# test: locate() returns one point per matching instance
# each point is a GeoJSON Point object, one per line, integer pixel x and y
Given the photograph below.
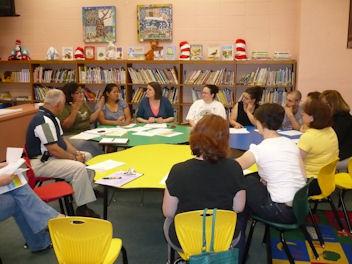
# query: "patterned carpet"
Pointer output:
{"type": "Point", "coordinates": [338, 245]}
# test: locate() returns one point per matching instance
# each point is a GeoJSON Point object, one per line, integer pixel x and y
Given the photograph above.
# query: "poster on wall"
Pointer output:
{"type": "Point", "coordinates": [154, 22]}
{"type": "Point", "coordinates": [99, 24]}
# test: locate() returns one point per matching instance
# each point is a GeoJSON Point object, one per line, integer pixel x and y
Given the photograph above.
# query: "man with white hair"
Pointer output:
{"type": "Point", "coordinates": [293, 111]}
{"type": "Point", "coordinates": [55, 157]}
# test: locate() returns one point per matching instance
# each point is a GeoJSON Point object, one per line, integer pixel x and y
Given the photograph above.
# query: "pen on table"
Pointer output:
{"type": "Point", "coordinates": [111, 178]}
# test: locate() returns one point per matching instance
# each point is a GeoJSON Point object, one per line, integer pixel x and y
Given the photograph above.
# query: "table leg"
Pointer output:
{"type": "Point", "coordinates": [105, 204]}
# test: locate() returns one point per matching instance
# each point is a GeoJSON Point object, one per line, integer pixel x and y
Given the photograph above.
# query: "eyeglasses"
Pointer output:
{"type": "Point", "coordinates": [78, 91]}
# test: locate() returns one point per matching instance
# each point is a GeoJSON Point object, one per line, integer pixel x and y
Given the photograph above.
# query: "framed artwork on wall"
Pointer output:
{"type": "Point", "coordinates": [99, 24]}
{"type": "Point", "coordinates": [154, 22]}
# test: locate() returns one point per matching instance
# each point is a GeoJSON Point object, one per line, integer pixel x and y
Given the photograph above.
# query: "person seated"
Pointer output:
{"type": "Point", "coordinates": [280, 175]}
{"type": "Point", "coordinates": [115, 111]}
{"type": "Point", "coordinates": [293, 111]}
{"type": "Point", "coordinates": [207, 105]}
{"type": "Point", "coordinates": [209, 180]}
{"type": "Point", "coordinates": [53, 156]}
{"type": "Point", "coordinates": [77, 117]}
{"type": "Point", "coordinates": [318, 144]}
{"type": "Point", "coordinates": [313, 95]}
{"type": "Point", "coordinates": [31, 214]}
{"type": "Point", "coordinates": [342, 125]}
{"type": "Point", "coordinates": [155, 108]}
{"type": "Point", "coordinates": [242, 112]}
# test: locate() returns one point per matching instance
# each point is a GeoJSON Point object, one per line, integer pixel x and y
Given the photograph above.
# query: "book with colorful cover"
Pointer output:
{"type": "Point", "coordinates": [18, 181]}
{"type": "Point", "coordinates": [135, 53]}
{"type": "Point", "coordinates": [170, 52]}
{"type": "Point", "coordinates": [196, 51]}
{"type": "Point", "coordinates": [214, 52]}
{"type": "Point", "coordinates": [227, 52]}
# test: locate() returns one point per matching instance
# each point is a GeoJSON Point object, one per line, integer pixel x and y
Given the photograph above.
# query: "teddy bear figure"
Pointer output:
{"type": "Point", "coordinates": [52, 54]}
{"type": "Point", "coordinates": [16, 53]}
{"type": "Point", "coordinates": [154, 49]}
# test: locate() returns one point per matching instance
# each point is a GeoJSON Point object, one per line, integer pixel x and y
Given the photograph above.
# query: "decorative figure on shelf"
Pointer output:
{"type": "Point", "coordinates": [79, 53]}
{"type": "Point", "coordinates": [111, 51]}
{"type": "Point", "coordinates": [52, 54]}
{"type": "Point", "coordinates": [154, 49]}
{"type": "Point", "coordinates": [240, 49]}
{"type": "Point", "coordinates": [185, 50]}
{"type": "Point", "coordinates": [17, 52]}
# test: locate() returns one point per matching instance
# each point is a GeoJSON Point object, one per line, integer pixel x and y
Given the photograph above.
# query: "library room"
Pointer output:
{"type": "Point", "coordinates": [153, 132]}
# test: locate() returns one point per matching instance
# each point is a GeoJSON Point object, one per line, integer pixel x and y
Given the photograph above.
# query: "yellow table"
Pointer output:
{"type": "Point", "coordinates": [154, 161]}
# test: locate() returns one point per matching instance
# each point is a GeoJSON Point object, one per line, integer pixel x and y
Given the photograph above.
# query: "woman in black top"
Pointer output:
{"type": "Point", "coordinates": [342, 124]}
{"type": "Point", "coordinates": [210, 179]}
{"type": "Point", "coordinates": [242, 112]}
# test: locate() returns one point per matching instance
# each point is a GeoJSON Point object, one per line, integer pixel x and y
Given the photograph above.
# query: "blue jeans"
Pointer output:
{"type": "Point", "coordinates": [31, 215]}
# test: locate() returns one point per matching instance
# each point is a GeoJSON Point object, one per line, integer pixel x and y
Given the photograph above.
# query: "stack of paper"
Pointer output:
{"type": "Point", "coordinates": [238, 130]}
{"type": "Point", "coordinates": [105, 165]}
{"type": "Point", "coordinates": [119, 178]}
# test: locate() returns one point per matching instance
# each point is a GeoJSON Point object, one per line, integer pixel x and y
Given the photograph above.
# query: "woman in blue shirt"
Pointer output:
{"type": "Point", "coordinates": [115, 111]}
{"type": "Point", "coordinates": [155, 108]}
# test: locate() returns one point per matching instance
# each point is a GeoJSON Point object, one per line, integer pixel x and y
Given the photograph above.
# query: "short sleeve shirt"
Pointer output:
{"type": "Point", "coordinates": [82, 121]}
{"type": "Point", "coordinates": [110, 115]}
{"type": "Point", "coordinates": [286, 124]}
{"type": "Point", "coordinates": [200, 184]}
{"type": "Point", "coordinates": [200, 108]}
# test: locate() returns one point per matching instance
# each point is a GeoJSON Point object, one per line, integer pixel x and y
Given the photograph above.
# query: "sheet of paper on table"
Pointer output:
{"type": "Point", "coordinates": [143, 133]}
{"type": "Point", "coordinates": [130, 125]}
{"type": "Point", "coordinates": [113, 140]}
{"type": "Point", "coordinates": [105, 165]}
{"type": "Point", "coordinates": [156, 125]}
{"type": "Point", "coordinates": [119, 178]}
{"type": "Point", "coordinates": [138, 129]}
{"type": "Point", "coordinates": [84, 136]}
{"type": "Point", "coordinates": [290, 133]}
{"type": "Point", "coordinates": [238, 130]}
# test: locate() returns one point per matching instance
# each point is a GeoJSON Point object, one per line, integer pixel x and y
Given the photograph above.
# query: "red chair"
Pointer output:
{"type": "Point", "coordinates": [51, 191]}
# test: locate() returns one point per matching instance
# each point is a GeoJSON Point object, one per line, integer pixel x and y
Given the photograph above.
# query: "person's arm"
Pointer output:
{"type": "Point", "coordinates": [190, 118]}
{"type": "Point", "coordinates": [169, 204]}
{"type": "Point", "coordinates": [291, 117]}
{"type": "Point", "coordinates": [56, 151]}
{"type": "Point", "coordinates": [246, 160]}
{"type": "Point", "coordinates": [70, 119]}
{"type": "Point", "coordinates": [303, 154]}
{"type": "Point", "coordinates": [249, 110]}
{"type": "Point", "coordinates": [233, 117]}
{"type": "Point", "coordinates": [128, 116]}
{"type": "Point", "coordinates": [165, 120]}
{"type": "Point", "coordinates": [6, 179]}
{"type": "Point", "coordinates": [94, 116]}
{"type": "Point", "coordinates": [239, 201]}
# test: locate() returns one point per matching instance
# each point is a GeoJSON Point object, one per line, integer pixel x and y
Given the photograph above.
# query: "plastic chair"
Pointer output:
{"type": "Point", "coordinates": [343, 182]}
{"type": "Point", "coordinates": [326, 181]}
{"type": "Point", "coordinates": [84, 240]}
{"type": "Point", "coordinates": [301, 209]}
{"type": "Point", "coordinates": [188, 227]}
{"type": "Point", "coordinates": [51, 191]}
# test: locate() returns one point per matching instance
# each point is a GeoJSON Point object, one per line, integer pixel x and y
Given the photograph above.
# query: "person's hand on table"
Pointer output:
{"type": "Point", "coordinates": [151, 120]}
{"type": "Point", "coordinates": [80, 157]}
{"type": "Point", "coordinates": [237, 125]}
{"type": "Point", "coordinates": [160, 120]}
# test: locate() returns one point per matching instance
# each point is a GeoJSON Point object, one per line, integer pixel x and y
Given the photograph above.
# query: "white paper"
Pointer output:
{"type": "Point", "coordinates": [245, 172]}
{"type": "Point", "coordinates": [160, 131]}
{"type": "Point", "coordinates": [105, 165]}
{"type": "Point", "coordinates": [9, 111]}
{"type": "Point", "coordinates": [239, 130]}
{"type": "Point", "coordinates": [116, 133]}
{"type": "Point", "coordinates": [295, 140]}
{"type": "Point", "coordinates": [155, 125]}
{"type": "Point", "coordinates": [290, 133]}
{"type": "Point", "coordinates": [172, 134]}
{"type": "Point", "coordinates": [143, 133]}
{"type": "Point", "coordinates": [97, 131]}
{"type": "Point", "coordinates": [84, 136]}
{"type": "Point", "coordinates": [13, 154]}
{"type": "Point", "coordinates": [16, 183]}
{"type": "Point", "coordinates": [130, 125]}
{"type": "Point", "coordinates": [119, 178]}
{"type": "Point", "coordinates": [11, 167]}
{"type": "Point", "coordinates": [138, 129]}
{"type": "Point", "coordinates": [113, 140]}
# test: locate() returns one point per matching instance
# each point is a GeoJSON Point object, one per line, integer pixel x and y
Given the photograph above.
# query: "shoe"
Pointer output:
{"type": "Point", "coordinates": [43, 249]}
{"type": "Point", "coordinates": [86, 211]}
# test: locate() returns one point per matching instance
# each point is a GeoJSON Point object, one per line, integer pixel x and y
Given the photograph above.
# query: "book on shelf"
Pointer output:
{"type": "Point", "coordinates": [281, 55]}
{"type": "Point", "coordinates": [101, 75]}
{"type": "Point", "coordinates": [213, 52]}
{"type": "Point", "coordinates": [227, 52]}
{"type": "Point", "coordinates": [170, 52]}
{"type": "Point", "coordinates": [171, 93]}
{"type": "Point", "coordinates": [159, 54]}
{"type": "Point", "coordinates": [46, 75]}
{"type": "Point", "coordinates": [138, 95]}
{"type": "Point", "coordinates": [260, 55]}
{"type": "Point", "coordinates": [119, 53]}
{"type": "Point", "coordinates": [266, 77]}
{"type": "Point", "coordinates": [15, 76]}
{"type": "Point", "coordinates": [196, 51]}
{"type": "Point", "coordinates": [145, 75]}
{"type": "Point", "coordinates": [217, 77]}
{"type": "Point", "coordinates": [277, 95]}
{"type": "Point", "coordinates": [135, 53]}
{"type": "Point", "coordinates": [224, 96]}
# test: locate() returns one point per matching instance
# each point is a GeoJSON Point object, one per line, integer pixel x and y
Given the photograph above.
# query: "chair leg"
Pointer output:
{"type": "Point", "coordinates": [309, 239]}
{"type": "Point", "coordinates": [62, 210]}
{"type": "Point", "coordinates": [269, 258]}
{"type": "Point", "coordinates": [347, 219]}
{"type": "Point", "coordinates": [124, 255]}
{"type": "Point", "coordinates": [266, 230]}
{"type": "Point", "coordinates": [249, 240]}
{"type": "Point", "coordinates": [171, 254]}
{"type": "Point", "coordinates": [68, 205]}
{"type": "Point", "coordinates": [333, 208]}
{"type": "Point", "coordinates": [315, 206]}
{"type": "Point", "coordinates": [284, 244]}
{"type": "Point", "coordinates": [317, 230]}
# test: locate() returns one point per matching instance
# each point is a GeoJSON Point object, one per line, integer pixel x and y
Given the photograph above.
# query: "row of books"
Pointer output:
{"type": "Point", "coordinates": [267, 77]}
{"type": "Point", "coordinates": [15, 76]}
{"type": "Point", "coordinates": [101, 75]}
{"type": "Point", "coordinates": [224, 96]}
{"type": "Point", "coordinates": [171, 94]}
{"type": "Point", "coordinates": [277, 95]}
{"type": "Point", "coordinates": [43, 75]}
{"type": "Point", "coordinates": [144, 76]}
{"type": "Point", "coordinates": [138, 95]}
{"type": "Point", "coordinates": [219, 77]}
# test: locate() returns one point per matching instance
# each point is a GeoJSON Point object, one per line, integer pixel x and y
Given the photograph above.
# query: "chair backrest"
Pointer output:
{"type": "Point", "coordinates": [188, 227]}
{"type": "Point", "coordinates": [79, 240]}
{"type": "Point", "coordinates": [300, 204]}
{"type": "Point", "coordinates": [326, 178]}
{"type": "Point", "coordinates": [350, 166]}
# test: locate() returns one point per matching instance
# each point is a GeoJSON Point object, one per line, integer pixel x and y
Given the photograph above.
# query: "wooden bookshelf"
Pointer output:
{"type": "Point", "coordinates": [118, 70]}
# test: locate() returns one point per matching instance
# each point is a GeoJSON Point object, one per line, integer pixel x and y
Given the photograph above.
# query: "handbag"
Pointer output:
{"type": "Point", "coordinates": [229, 256]}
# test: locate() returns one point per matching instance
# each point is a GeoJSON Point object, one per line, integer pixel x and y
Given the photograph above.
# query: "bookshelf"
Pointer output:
{"type": "Point", "coordinates": [182, 81]}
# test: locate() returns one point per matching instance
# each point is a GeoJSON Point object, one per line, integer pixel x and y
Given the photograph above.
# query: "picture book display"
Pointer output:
{"type": "Point", "coordinates": [196, 52]}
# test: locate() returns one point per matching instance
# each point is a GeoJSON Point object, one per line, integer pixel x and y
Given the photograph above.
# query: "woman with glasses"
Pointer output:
{"type": "Point", "coordinates": [78, 117]}
{"type": "Point", "coordinates": [242, 112]}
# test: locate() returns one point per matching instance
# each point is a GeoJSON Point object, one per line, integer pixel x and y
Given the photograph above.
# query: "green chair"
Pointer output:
{"type": "Point", "coordinates": [301, 210]}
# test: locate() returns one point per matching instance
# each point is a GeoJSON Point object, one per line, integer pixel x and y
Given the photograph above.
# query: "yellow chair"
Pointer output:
{"type": "Point", "coordinates": [326, 181]}
{"type": "Point", "coordinates": [188, 227]}
{"type": "Point", "coordinates": [343, 182]}
{"type": "Point", "coordinates": [85, 240]}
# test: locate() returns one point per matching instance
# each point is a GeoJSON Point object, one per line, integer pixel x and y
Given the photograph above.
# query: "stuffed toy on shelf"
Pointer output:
{"type": "Point", "coordinates": [52, 54]}
{"type": "Point", "coordinates": [79, 53]}
{"type": "Point", "coordinates": [19, 53]}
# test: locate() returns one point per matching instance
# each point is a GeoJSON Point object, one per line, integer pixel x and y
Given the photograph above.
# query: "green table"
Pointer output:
{"type": "Point", "coordinates": [136, 140]}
